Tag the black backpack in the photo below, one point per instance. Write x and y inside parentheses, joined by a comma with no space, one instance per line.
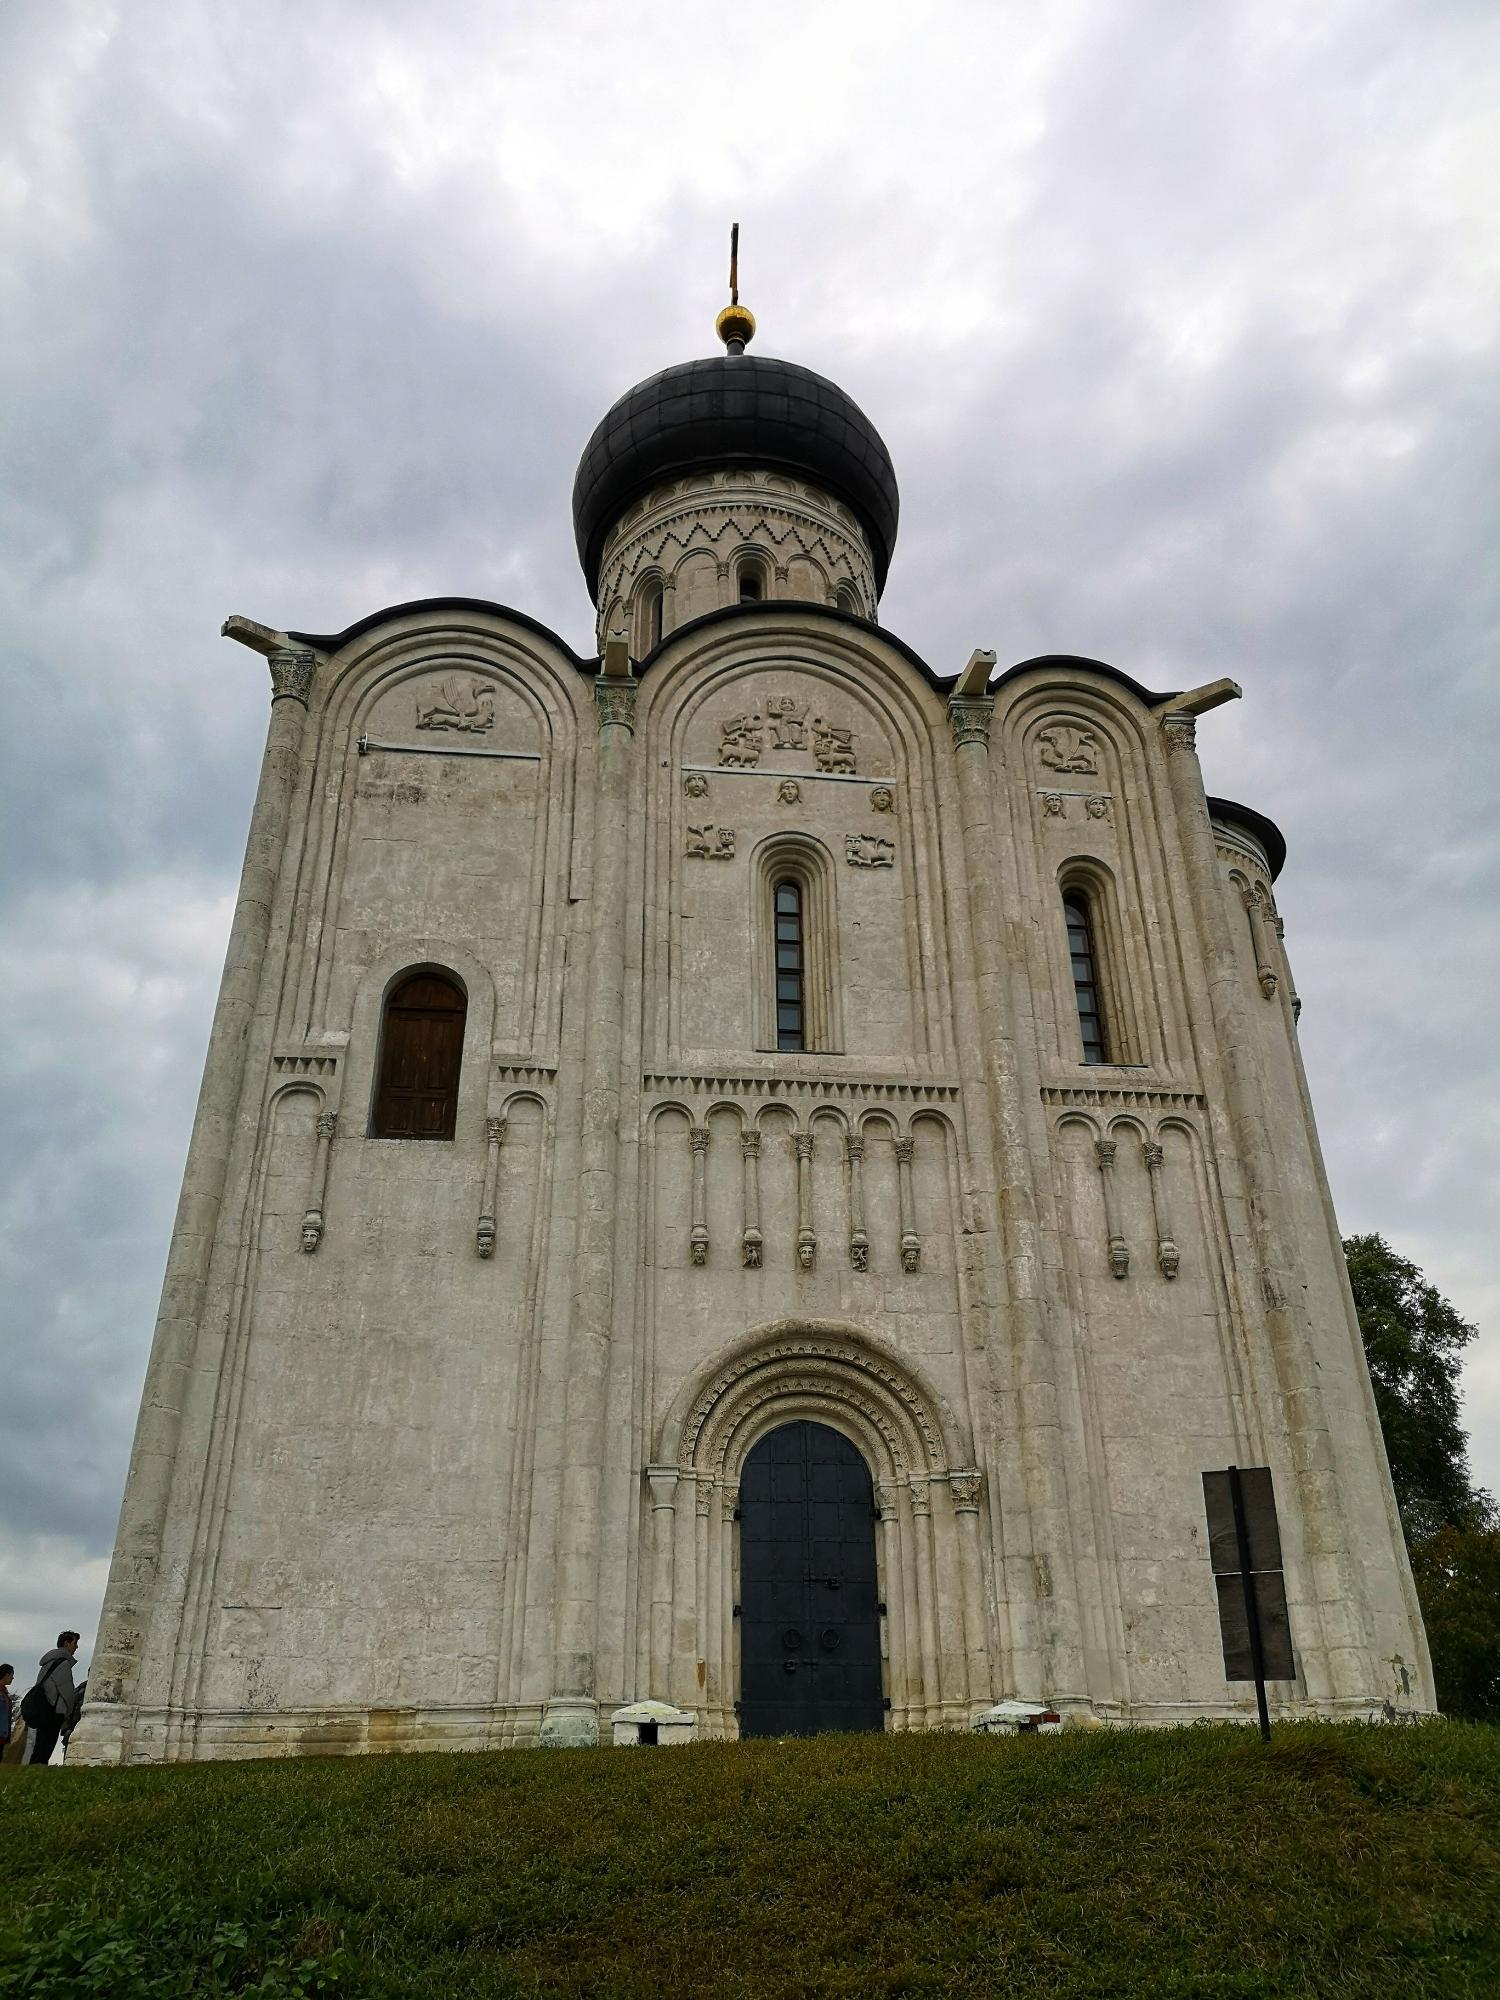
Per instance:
(35,1707)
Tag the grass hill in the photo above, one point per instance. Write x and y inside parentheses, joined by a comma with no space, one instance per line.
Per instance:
(1338,1861)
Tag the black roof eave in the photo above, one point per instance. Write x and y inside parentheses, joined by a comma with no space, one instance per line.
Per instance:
(1254,823)
(333,642)
(1261,829)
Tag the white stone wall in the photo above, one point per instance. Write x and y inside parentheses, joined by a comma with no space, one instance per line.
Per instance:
(441,1441)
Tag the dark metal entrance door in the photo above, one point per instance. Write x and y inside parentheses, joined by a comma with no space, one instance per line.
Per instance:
(809,1619)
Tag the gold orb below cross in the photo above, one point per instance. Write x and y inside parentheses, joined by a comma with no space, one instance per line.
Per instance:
(735,326)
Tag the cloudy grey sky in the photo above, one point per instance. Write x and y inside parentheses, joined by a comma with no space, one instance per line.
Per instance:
(1179,320)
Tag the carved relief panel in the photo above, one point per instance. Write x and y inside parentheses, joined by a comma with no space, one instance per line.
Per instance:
(787,751)
(443,835)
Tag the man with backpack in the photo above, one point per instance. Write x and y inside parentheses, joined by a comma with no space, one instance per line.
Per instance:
(50,1707)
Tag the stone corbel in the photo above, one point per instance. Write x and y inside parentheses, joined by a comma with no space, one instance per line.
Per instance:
(1119,1250)
(911,1243)
(1265,972)
(859,1242)
(317,1187)
(698,1238)
(1291,990)
(1167,1254)
(807,1242)
(750,1237)
(494,1139)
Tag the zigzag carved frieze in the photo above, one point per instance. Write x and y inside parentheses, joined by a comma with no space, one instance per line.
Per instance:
(802,1090)
(737,529)
(1122,1097)
(304,1062)
(522,1075)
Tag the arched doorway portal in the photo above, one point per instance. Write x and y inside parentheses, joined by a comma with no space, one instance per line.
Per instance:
(809,1615)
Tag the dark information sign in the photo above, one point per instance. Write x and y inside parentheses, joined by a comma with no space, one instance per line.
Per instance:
(1244,1546)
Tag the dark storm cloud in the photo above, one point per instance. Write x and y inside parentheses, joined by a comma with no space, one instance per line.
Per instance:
(1180,325)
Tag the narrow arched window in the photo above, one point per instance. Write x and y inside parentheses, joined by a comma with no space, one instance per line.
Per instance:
(648,617)
(847,602)
(752,583)
(1085,977)
(791,1009)
(421,1052)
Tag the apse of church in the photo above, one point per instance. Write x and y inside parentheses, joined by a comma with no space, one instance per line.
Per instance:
(742,1172)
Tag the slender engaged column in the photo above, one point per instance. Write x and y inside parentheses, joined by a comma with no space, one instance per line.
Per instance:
(807,1242)
(911,1243)
(317,1186)
(662,1480)
(572,1715)
(750,1237)
(494,1139)
(964,1486)
(932,1684)
(1167,1253)
(1118,1248)
(698,1240)
(859,1242)
(729,1500)
(133,1572)
(898,1664)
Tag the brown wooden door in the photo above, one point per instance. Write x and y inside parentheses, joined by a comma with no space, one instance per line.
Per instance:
(421,1050)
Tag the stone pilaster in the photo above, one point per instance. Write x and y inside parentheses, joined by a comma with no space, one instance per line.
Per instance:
(572,1713)
(1038,1365)
(138,1541)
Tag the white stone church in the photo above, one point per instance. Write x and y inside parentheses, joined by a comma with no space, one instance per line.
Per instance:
(749,1172)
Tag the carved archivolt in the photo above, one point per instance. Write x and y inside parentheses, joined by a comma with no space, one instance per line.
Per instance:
(833,1367)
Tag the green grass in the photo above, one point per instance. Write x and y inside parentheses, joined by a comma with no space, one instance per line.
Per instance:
(1340,1861)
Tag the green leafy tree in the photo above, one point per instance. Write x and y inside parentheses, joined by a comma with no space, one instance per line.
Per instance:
(1414,1342)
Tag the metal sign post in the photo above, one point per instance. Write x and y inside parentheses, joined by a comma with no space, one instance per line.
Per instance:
(1245,1550)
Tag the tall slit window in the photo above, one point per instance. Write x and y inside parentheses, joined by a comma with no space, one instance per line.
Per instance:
(791,1011)
(421,1052)
(752,584)
(1085,977)
(649,617)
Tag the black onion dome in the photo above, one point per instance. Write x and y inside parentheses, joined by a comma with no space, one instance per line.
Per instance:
(742,409)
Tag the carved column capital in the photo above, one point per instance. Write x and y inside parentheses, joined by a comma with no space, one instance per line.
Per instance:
(854,1146)
(1179,730)
(921,1497)
(964,1486)
(906,1150)
(328,1124)
(750,1145)
(969,718)
(698,1138)
(804,1145)
(662,1479)
(291,675)
(1104,1152)
(495,1130)
(1152,1154)
(615,701)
